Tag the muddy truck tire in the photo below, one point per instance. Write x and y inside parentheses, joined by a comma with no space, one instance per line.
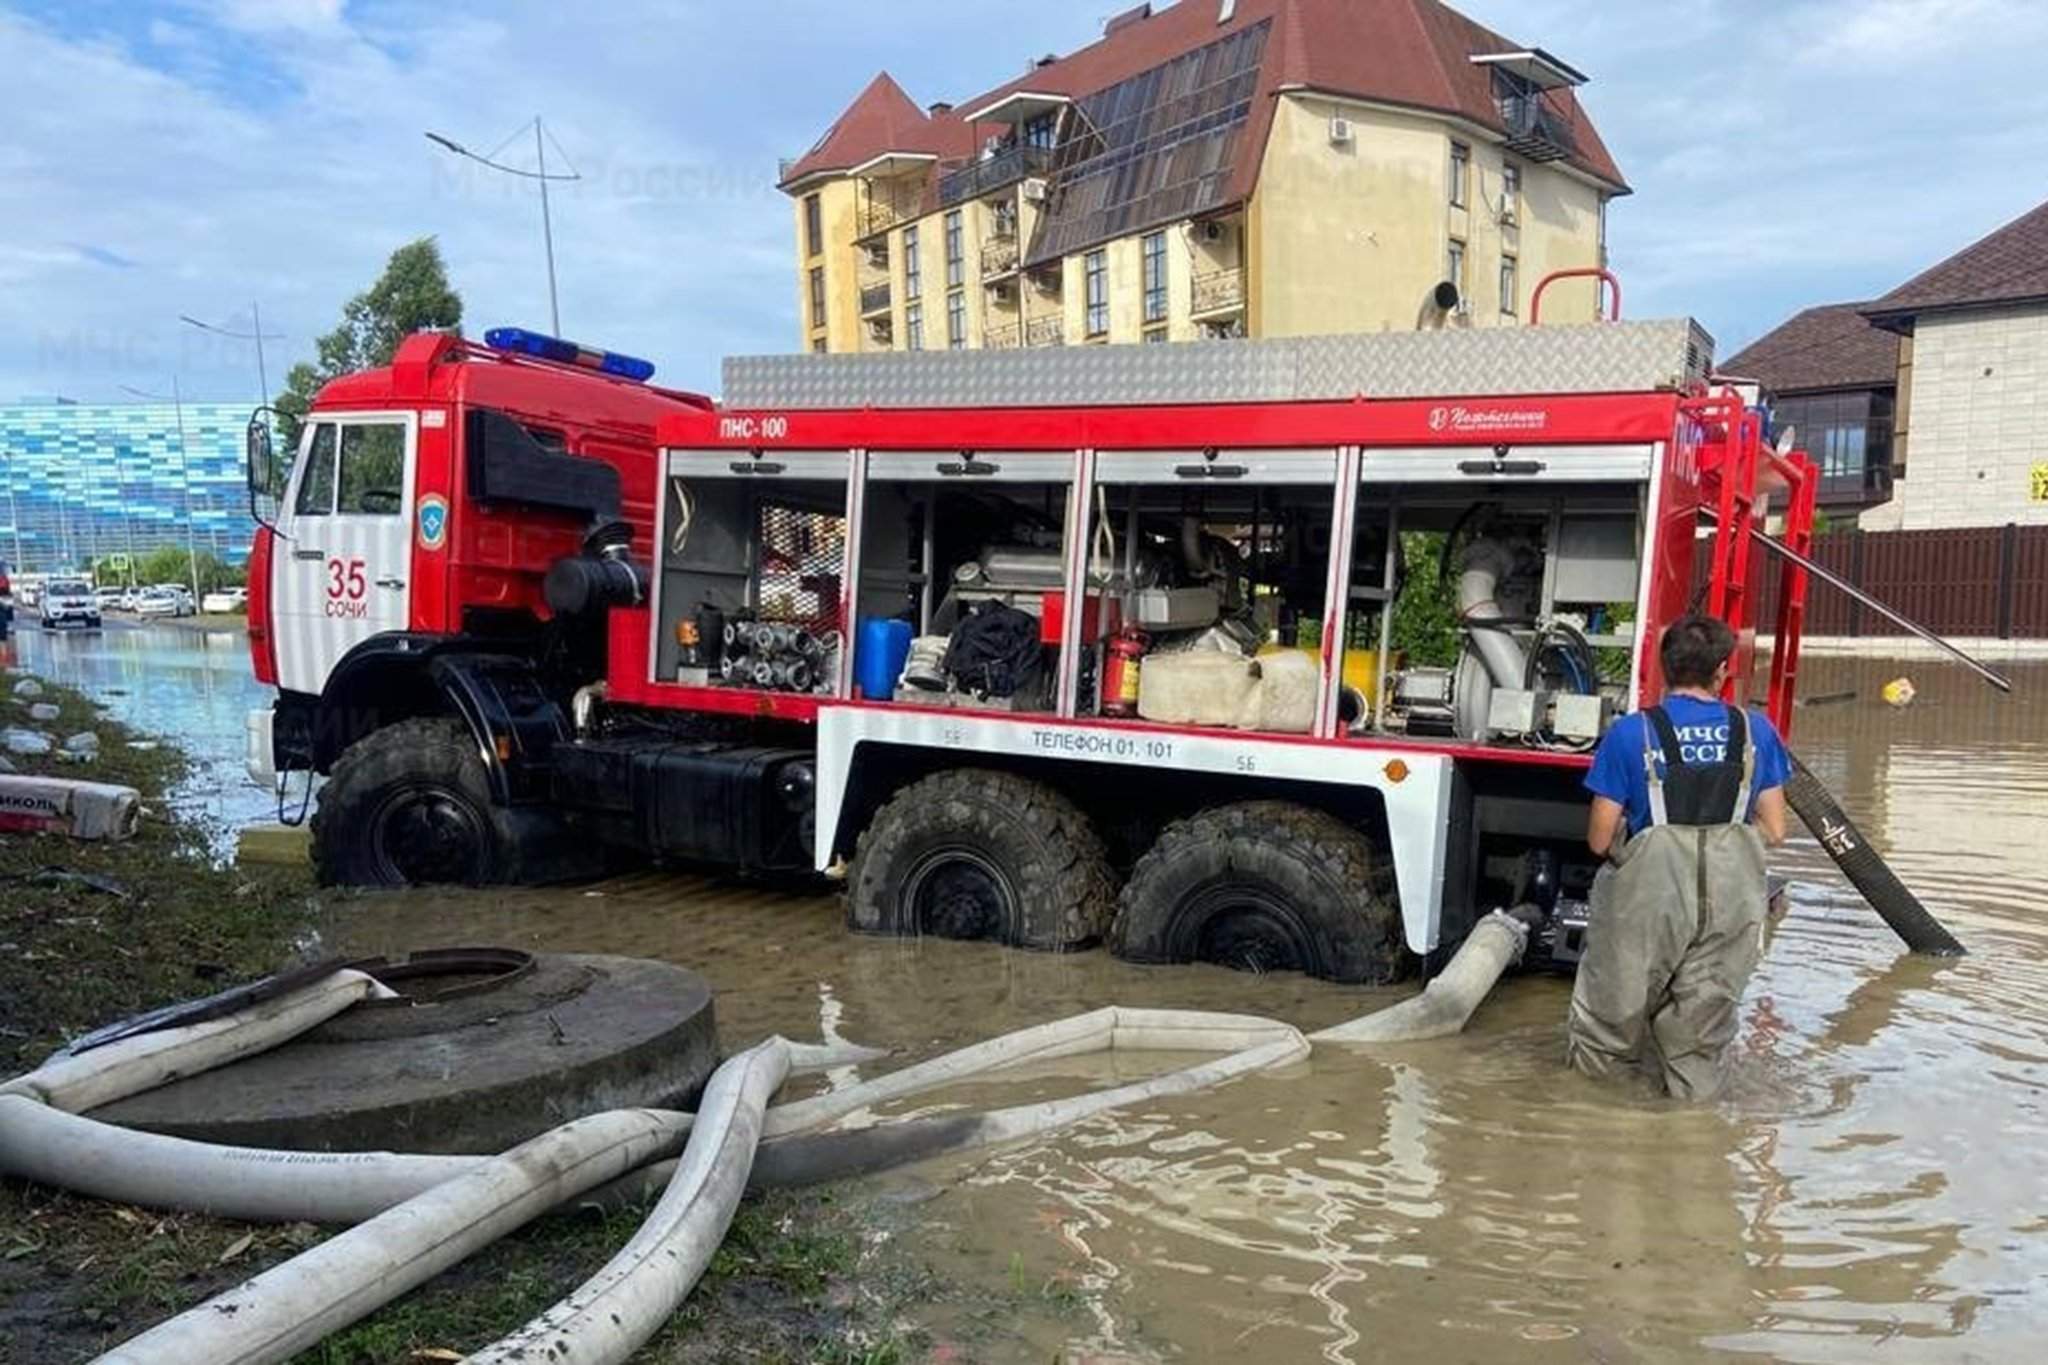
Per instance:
(1263,886)
(1865,869)
(979,854)
(411,805)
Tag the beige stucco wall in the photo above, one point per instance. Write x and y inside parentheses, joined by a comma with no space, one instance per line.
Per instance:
(1353,237)
(1978,413)
(839,206)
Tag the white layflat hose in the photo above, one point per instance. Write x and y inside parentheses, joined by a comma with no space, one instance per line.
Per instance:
(297,1303)
(292,1306)
(615,1311)
(143,1061)
(1446,1004)
(253,1184)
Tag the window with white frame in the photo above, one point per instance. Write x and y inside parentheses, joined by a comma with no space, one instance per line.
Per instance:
(1095,271)
(1155,277)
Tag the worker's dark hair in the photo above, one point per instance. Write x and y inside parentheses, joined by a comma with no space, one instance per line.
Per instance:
(1693,647)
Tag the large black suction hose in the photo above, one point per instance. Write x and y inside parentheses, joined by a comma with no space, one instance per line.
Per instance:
(1868,872)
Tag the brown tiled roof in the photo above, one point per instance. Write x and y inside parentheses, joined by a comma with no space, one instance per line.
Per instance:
(1829,347)
(2009,266)
(1406,52)
(881,119)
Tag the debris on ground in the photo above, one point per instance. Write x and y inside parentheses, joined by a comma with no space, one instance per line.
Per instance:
(64,876)
(1898,692)
(83,746)
(28,743)
(28,687)
(42,711)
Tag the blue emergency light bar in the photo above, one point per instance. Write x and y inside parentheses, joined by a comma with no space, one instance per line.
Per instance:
(568,353)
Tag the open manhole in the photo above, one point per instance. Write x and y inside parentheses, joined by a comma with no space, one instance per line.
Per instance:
(483,1048)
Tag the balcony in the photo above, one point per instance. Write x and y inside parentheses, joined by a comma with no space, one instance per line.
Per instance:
(990,174)
(1007,337)
(1856,488)
(1217,291)
(874,299)
(999,256)
(1536,132)
(1045,331)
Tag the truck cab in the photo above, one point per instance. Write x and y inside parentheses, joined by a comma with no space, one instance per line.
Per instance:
(404,536)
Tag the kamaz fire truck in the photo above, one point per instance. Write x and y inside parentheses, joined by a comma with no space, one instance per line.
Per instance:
(1054,647)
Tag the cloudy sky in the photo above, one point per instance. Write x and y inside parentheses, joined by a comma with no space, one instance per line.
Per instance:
(197,155)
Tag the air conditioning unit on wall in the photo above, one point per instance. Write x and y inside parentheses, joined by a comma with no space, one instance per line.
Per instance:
(1341,132)
(1034,191)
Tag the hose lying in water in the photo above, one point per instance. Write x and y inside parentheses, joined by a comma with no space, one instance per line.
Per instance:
(1446,1004)
(1865,868)
(296,1303)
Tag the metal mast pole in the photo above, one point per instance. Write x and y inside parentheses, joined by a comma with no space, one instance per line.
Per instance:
(185,462)
(262,376)
(547,227)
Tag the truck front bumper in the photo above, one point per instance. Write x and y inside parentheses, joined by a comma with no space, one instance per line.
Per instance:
(261,758)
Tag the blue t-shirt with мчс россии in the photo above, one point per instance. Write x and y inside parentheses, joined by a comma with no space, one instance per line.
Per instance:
(1702,727)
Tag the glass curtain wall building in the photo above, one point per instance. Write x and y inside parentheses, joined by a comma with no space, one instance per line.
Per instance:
(82,480)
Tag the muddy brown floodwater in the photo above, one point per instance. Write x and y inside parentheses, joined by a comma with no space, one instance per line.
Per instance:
(1874,1187)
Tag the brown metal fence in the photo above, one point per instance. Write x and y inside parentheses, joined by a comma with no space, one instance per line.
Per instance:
(1981,581)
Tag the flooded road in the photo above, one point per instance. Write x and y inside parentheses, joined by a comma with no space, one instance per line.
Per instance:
(1873,1187)
(190,685)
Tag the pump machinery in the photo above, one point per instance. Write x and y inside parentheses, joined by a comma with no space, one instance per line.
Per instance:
(934,624)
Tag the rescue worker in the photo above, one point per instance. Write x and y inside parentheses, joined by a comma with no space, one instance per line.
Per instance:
(1685,796)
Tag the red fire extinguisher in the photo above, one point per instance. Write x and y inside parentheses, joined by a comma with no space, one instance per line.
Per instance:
(1120,671)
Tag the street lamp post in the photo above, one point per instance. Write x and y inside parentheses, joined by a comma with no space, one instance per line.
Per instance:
(185,468)
(547,227)
(255,334)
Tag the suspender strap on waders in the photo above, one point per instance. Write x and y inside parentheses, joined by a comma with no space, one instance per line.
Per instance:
(1694,794)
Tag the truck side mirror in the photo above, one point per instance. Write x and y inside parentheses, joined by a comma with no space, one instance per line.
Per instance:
(264,472)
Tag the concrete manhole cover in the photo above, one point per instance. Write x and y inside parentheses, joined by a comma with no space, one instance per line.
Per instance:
(490,1048)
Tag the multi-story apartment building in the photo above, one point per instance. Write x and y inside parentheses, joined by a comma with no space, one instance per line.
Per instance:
(1216,168)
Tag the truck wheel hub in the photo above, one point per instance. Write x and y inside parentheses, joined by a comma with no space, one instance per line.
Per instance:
(958,893)
(427,833)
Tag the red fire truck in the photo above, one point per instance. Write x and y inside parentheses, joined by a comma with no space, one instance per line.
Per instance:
(1278,654)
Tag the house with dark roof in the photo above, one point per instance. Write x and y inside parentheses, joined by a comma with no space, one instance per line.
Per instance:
(1834,381)
(1209,169)
(1972,441)
(1936,388)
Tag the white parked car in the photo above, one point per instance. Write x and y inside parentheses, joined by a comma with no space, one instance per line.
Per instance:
(68,601)
(110,598)
(224,602)
(164,602)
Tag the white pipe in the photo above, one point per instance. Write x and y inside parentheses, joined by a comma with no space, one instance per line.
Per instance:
(293,1306)
(1484,565)
(128,1066)
(1446,1004)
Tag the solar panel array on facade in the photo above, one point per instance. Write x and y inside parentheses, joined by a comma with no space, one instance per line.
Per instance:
(86,480)
(1156,148)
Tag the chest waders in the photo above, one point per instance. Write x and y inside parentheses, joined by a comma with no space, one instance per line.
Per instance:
(1677,923)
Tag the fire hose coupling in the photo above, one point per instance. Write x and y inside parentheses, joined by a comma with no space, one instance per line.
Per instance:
(778,656)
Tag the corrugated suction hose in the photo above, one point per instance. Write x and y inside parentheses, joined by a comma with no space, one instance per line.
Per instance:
(1864,868)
